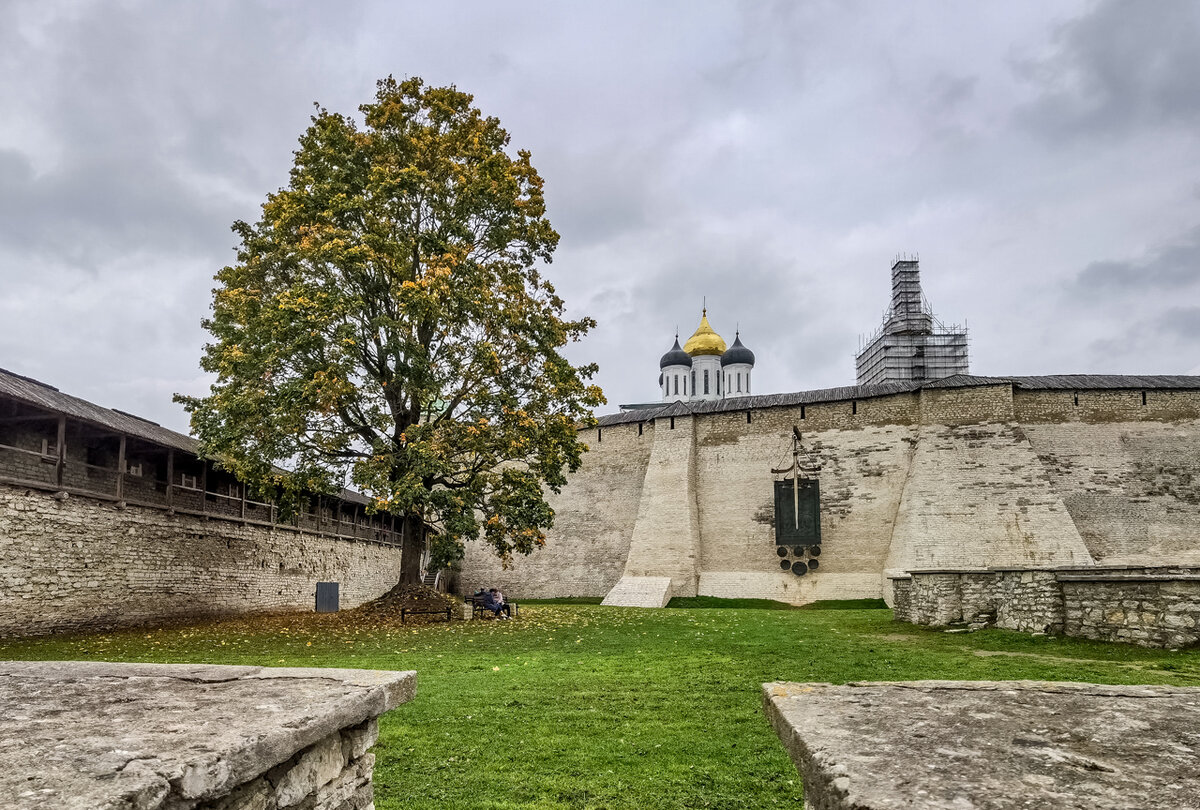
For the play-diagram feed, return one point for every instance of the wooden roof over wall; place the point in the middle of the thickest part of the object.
(1071, 382)
(37, 394)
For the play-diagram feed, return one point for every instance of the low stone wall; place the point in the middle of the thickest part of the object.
(1156, 609)
(192, 737)
(78, 563)
(1151, 606)
(902, 597)
(1028, 600)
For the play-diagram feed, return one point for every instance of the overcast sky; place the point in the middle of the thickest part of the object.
(1043, 159)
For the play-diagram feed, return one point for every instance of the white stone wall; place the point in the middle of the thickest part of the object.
(666, 535)
(82, 563)
(861, 479)
(977, 496)
(595, 513)
(1132, 488)
(946, 478)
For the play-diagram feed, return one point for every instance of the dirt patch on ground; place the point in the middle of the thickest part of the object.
(411, 598)
(896, 637)
(1059, 659)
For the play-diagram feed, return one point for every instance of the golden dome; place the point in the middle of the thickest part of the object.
(704, 340)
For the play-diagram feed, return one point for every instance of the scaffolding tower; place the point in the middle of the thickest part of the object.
(912, 345)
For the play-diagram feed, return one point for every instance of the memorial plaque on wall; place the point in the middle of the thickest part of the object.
(797, 519)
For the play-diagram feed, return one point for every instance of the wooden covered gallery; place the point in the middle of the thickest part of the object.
(58, 443)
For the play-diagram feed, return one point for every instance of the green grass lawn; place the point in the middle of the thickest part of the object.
(583, 706)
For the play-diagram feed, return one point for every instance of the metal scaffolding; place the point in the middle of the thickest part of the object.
(912, 345)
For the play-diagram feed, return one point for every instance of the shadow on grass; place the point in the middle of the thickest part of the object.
(710, 602)
(563, 600)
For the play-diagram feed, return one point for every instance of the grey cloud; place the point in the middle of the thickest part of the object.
(1170, 269)
(950, 92)
(773, 157)
(1141, 344)
(82, 211)
(1123, 66)
(1182, 323)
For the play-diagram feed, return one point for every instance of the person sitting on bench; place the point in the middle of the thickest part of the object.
(493, 600)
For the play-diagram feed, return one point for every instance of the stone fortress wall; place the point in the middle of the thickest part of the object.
(77, 563)
(107, 519)
(965, 473)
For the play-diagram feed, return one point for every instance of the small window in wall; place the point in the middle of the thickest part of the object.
(854, 406)
(640, 425)
(802, 412)
(672, 423)
(1076, 398)
(718, 385)
(693, 382)
(747, 417)
(1143, 397)
(599, 435)
(705, 381)
(739, 382)
(747, 382)
(685, 385)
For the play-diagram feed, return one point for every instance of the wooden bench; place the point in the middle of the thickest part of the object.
(405, 612)
(478, 610)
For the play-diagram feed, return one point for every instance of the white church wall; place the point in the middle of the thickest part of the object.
(677, 385)
(736, 380)
(712, 365)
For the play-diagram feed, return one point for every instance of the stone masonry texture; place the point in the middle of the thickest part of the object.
(953, 478)
(80, 563)
(82, 735)
(1152, 607)
(990, 745)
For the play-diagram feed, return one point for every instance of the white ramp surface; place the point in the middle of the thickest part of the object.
(647, 592)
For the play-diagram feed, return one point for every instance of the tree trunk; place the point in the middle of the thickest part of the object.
(411, 550)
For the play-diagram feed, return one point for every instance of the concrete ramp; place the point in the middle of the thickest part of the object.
(647, 592)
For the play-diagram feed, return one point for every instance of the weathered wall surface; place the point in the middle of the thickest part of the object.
(974, 477)
(1132, 488)
(863, 457)
(666, 535)
(1156, 607)
(595, 513)
(1159, 609)
(79, 563)
(977, 496)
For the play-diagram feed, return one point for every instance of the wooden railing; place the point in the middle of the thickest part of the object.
(53, 472)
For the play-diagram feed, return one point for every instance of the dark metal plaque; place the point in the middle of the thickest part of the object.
(797, 513)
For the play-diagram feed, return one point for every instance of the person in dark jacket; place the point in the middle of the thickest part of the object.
(493, 600)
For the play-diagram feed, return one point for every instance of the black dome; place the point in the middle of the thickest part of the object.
(675, 357)
(737, 353)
